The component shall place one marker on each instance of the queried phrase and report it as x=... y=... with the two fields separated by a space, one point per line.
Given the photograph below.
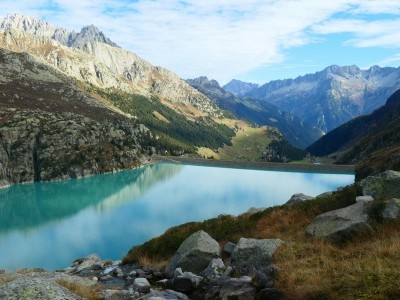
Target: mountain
x=298 y=133
x=372 y=142
x=239 y=88
x=41 y=28
x=333 y=96
x=50 y=129
x=99 y=63
x=72 y=107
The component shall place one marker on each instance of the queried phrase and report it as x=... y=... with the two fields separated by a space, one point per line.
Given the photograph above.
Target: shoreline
x=320 y=168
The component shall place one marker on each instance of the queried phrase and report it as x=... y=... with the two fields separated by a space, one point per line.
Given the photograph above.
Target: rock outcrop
x=251 y=255
x=342 y=224
x=383 y=185
x=195 y=253
x=300 y=197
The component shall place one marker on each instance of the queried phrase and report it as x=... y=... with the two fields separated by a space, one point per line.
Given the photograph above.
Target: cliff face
x=50 y=129
x=37 y=146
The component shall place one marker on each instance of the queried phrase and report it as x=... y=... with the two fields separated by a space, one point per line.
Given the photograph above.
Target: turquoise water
x=51 y=224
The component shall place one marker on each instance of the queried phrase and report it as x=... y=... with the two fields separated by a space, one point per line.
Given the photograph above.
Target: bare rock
x=194 y=254
x=342 y=224
x=250 y=255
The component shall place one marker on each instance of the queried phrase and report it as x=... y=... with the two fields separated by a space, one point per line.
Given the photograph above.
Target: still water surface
x=51 y=224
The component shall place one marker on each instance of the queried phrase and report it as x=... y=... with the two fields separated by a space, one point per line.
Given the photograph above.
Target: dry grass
x=86 y=292
x=365 y=269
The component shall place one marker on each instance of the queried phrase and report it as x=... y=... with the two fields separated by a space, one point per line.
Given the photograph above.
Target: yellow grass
x=86 y=292
x=160 y=117
x=247 y=144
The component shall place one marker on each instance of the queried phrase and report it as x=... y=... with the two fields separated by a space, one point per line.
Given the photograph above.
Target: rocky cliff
x=91 y=57
x=333 y=96
x=50 y=129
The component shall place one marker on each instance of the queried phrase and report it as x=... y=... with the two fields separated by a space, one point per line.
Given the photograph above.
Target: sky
x=250 y=40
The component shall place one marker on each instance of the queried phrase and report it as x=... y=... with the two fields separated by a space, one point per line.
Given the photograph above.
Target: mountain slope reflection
x=27 y=206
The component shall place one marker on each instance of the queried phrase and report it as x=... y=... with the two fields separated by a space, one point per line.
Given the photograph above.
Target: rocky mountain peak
x=42 y=28
x=204 y=81
x=28 y=24
x=239 y=88
x=90 y=34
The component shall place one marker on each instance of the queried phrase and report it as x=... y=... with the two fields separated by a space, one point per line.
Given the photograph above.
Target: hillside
x=87 y=106
x=372 y=142
x=296 y=132
x=329 y=98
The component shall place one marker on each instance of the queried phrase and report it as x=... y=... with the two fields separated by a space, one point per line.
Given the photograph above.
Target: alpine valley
x=75 y=104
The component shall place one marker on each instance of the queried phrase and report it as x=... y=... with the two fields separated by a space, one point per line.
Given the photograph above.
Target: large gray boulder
x=341 y=224
x=194 y=254
x=383 y=185
x=300 y=197
x=392 y=210
x=251 y=255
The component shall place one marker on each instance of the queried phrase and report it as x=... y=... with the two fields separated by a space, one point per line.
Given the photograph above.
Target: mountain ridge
x=333 y=96
x=296 y=132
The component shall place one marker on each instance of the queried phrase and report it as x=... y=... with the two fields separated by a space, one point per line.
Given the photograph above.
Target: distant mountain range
x=239 y=88
x=372 y=141
x=330 y=97
x=298 y=133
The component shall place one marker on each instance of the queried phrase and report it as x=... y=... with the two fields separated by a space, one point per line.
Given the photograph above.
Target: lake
x=50 y=224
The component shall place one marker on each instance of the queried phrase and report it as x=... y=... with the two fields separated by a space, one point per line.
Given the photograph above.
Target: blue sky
x=252 y=40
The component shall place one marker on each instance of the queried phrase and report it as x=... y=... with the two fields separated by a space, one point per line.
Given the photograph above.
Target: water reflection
x=108 y=214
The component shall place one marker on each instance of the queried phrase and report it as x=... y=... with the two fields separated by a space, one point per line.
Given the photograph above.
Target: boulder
x=227 y=288
x=186 y=282
x=251 y=255
x=341 y=224
x=300 y=197
x=383 y=185
x=165 y=295
x=194 y=254
x=141 y=285
x=392 y=210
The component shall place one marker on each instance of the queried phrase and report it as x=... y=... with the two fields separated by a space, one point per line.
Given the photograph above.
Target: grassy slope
x=247 y=143
x=367 y=268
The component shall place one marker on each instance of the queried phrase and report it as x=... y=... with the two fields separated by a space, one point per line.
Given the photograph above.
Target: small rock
x=392 y=210
x=228 y=247
x=246 y=279
x=215 y=268
x=186 y=282
x=366 y=198
x=141 y=285
x=300 y=197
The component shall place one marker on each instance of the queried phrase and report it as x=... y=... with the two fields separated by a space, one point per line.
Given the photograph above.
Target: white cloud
x=220 y=39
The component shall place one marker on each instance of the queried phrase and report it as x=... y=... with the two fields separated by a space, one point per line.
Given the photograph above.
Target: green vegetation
x=310 y=268
x=282 y=151
x=176 y=134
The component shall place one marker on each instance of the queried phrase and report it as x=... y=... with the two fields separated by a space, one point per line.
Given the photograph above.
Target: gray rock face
x=194 y=254
x=383 y=185
x=250 y=255
x=366 y=198
x=300 y=197
x=392 y=210
x=341 y=224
